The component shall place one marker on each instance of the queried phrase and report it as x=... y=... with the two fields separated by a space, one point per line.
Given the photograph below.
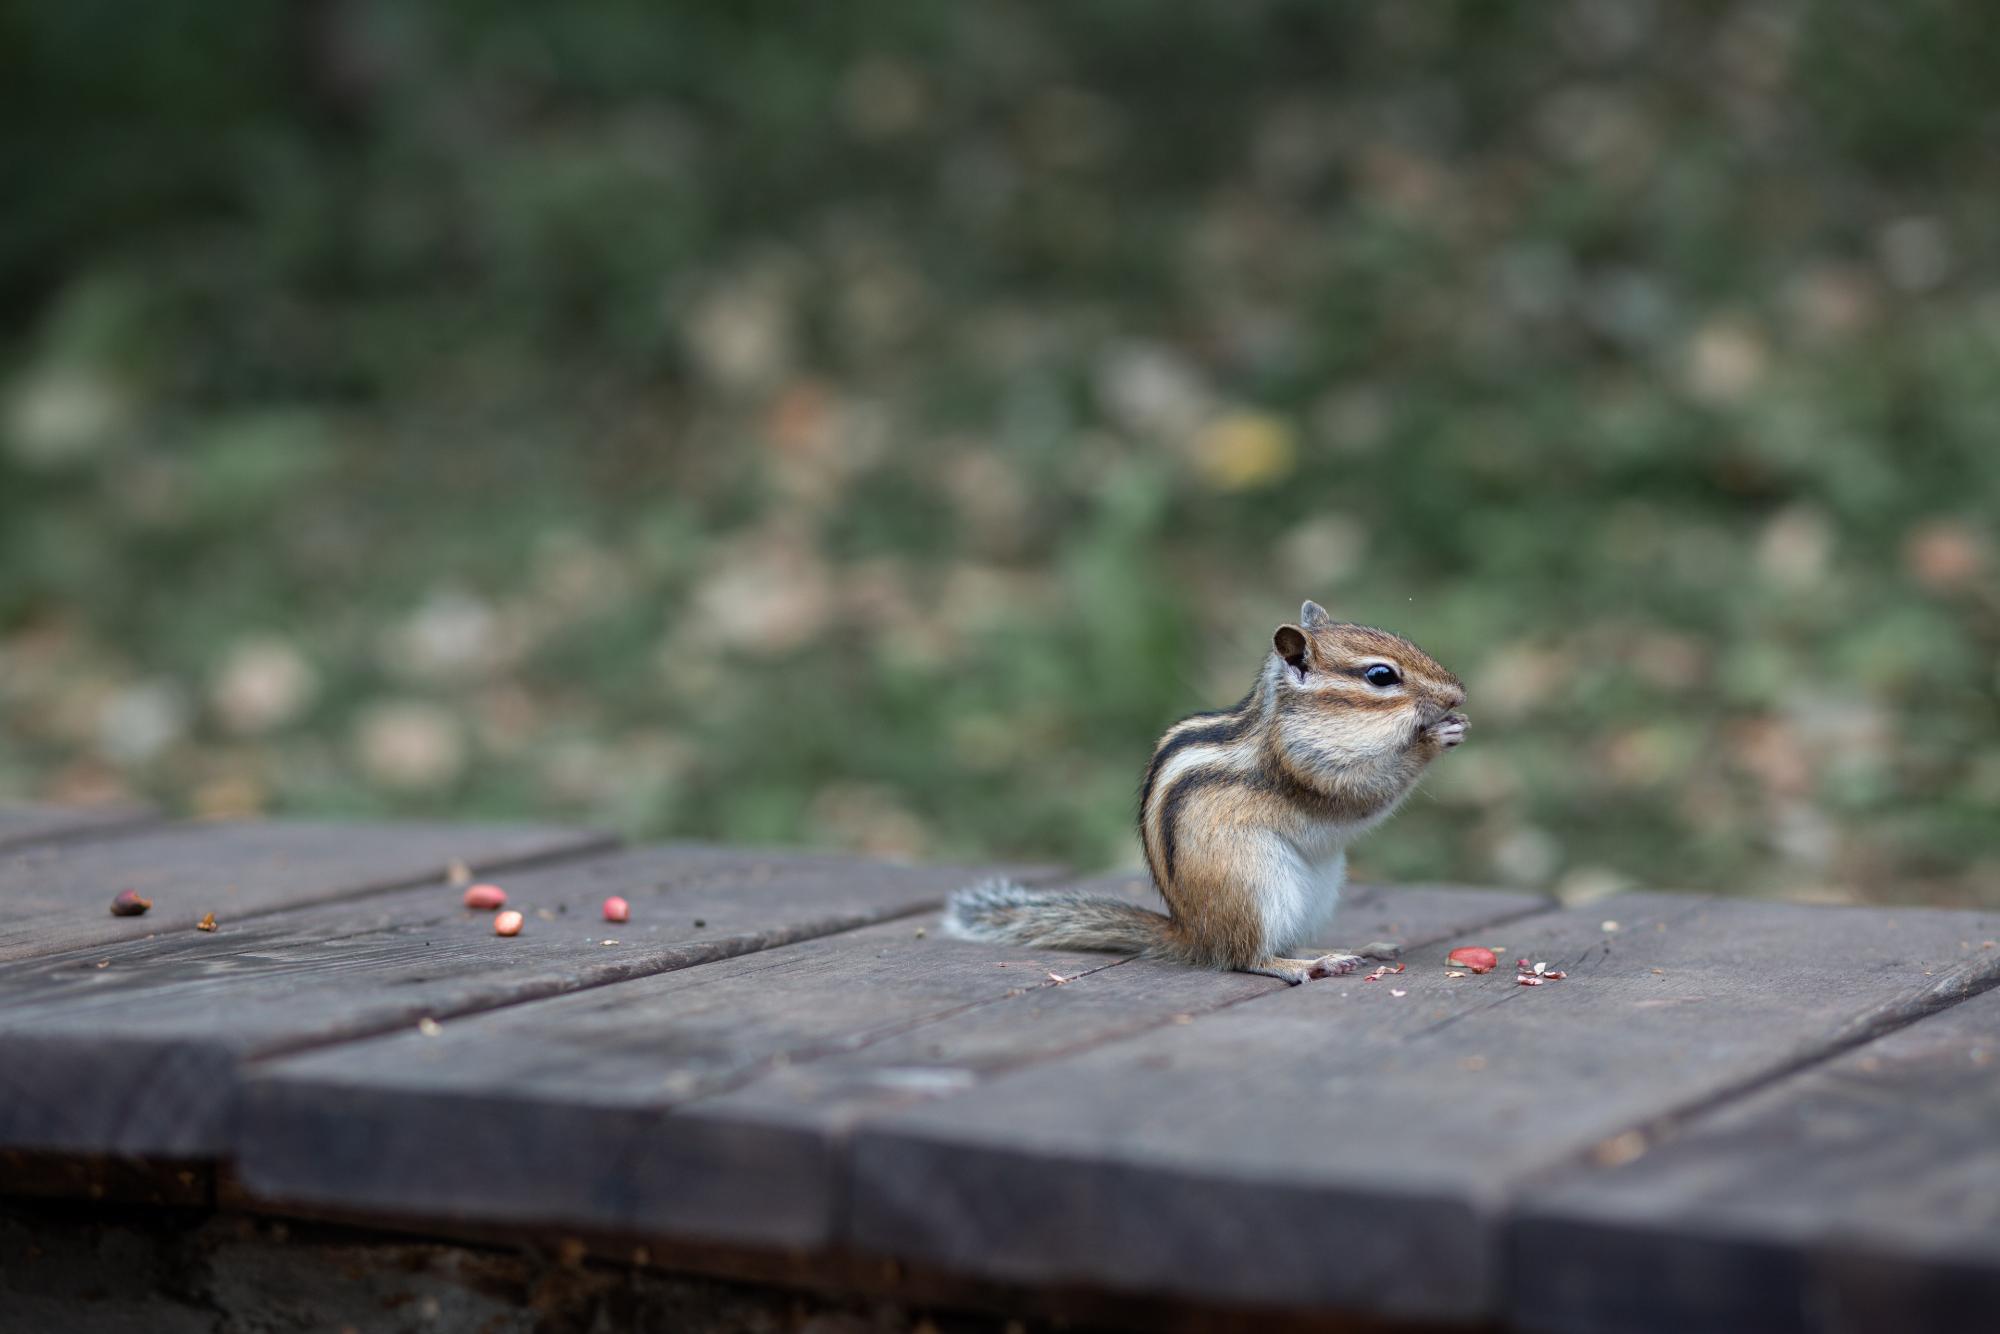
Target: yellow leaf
x=1242 y=450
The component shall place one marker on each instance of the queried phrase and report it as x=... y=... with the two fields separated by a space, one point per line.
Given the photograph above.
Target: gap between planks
x=842 y=1182
x=812 y=1052
x=286 y=1157
x=886 y=1032
x=1890 y=1017
x=1010 y=1131
x=554 y=989
x=596 y=844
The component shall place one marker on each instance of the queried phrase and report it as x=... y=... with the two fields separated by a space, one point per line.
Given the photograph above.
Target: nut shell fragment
x=129 y=904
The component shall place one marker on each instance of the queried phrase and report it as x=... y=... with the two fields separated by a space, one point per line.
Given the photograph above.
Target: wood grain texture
x=137 y=1049
x=23 y=824
x=713 y=1104
x=1345 y=1148
x=1861 y=1194
x=58 y=895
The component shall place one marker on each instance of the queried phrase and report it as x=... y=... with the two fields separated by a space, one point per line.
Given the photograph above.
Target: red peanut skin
x=1473 y=958
x=485 y=897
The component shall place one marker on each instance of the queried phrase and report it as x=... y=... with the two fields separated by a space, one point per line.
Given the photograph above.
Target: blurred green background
x=869 y=424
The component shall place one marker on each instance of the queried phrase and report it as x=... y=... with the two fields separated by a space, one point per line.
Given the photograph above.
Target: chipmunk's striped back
x=1201 y=751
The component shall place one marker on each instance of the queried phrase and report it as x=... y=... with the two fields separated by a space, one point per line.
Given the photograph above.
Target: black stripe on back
x=1281 y=785
x=1229 y=725
x=1177 y=796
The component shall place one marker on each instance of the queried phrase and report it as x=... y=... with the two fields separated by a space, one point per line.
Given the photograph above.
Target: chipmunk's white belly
x=1299 y=901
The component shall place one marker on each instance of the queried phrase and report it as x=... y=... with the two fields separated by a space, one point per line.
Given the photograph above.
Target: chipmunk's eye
x=1381 y=674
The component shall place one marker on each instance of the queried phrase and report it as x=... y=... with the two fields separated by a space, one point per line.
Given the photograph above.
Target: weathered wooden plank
x=21 y=825
x=1347 y=1148
x=137 y=1049
x=58 y=895
x=711 y=1105
x=1861 y=1194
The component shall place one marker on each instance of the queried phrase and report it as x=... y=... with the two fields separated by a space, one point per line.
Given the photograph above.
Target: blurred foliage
x=870 y=424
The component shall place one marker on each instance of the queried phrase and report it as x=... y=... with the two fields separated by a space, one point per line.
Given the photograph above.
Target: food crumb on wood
x=207 y=922
x=485 y=898
x=129 y=904
x=1398 y=991
x=1619 y=1149
x=1609 y=928
x=1473 y=959
x=429 y=1027
x=508 y=924
x=457 y=873
x=921 y=933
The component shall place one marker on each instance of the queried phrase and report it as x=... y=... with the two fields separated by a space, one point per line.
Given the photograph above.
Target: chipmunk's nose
x=1451 y=697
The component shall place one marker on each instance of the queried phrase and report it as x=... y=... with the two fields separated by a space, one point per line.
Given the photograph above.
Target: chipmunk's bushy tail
x=1001 y=910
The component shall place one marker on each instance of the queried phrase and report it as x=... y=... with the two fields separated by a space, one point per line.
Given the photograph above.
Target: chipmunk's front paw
x=1449 y=730
x=1333 y=965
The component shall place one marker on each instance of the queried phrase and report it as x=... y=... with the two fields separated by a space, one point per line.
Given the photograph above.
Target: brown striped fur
x=1245 y=813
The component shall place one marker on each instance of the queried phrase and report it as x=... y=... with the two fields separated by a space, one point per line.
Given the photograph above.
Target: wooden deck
x=1729 y=1115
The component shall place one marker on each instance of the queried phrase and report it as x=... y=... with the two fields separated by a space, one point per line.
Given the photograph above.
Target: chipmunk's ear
x=1295 y=648
x=1313 y=616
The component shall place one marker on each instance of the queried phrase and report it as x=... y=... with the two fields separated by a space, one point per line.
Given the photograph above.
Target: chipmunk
x=1246 y=813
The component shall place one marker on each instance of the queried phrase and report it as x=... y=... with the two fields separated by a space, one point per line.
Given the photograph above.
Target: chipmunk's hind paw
x=1333 y=965
x=1295 y=971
